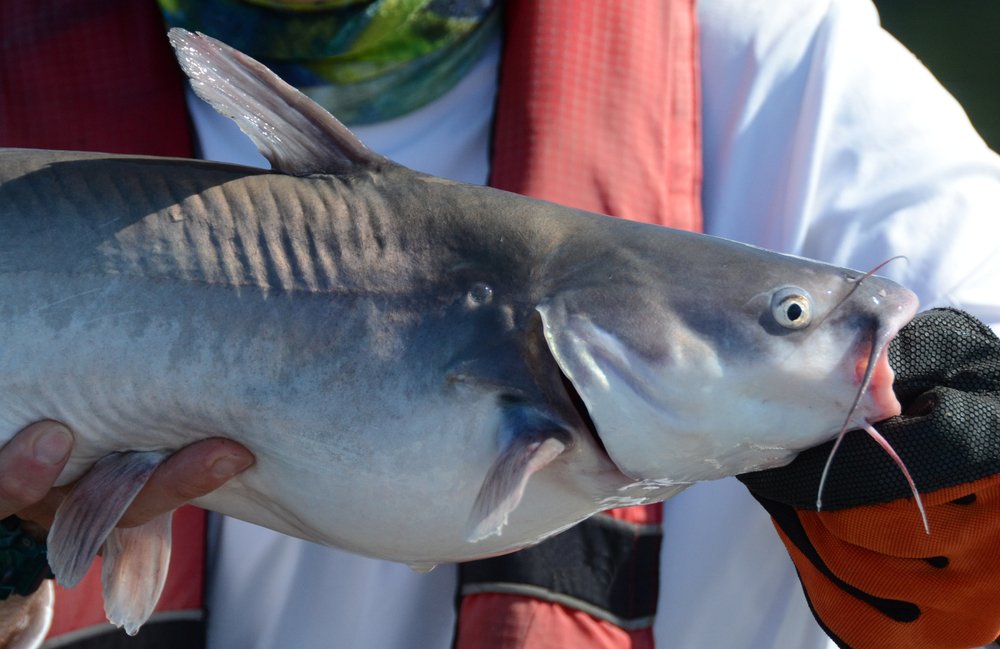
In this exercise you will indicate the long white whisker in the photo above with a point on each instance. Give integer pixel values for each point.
(880, 266)
(878, 344)
(875, 435)
(826, 468)
(876, 350)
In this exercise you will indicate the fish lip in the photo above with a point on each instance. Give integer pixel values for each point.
(882, 400)
(880, 397)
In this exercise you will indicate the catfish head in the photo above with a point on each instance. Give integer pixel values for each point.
(698, 357)
(678, 357)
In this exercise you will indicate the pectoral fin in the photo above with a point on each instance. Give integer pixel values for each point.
(530, 442)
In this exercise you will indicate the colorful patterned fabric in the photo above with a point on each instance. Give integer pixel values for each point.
(363, 60)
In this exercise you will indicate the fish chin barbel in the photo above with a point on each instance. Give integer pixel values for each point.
(877, 365)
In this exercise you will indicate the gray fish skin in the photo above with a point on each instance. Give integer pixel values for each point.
(326, 336)
(335, 336)
(338, 327)
(426, 371)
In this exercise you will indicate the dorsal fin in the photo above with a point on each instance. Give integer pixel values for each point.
(296, 135)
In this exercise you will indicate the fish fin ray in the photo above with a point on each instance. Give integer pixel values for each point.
(134, 572)
(527, 451)
(296, 135)
(93, 508)
(422, 567)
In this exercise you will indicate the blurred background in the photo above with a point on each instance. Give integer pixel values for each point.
(959, 40)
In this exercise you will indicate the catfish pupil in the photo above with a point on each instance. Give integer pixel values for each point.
(480, 294)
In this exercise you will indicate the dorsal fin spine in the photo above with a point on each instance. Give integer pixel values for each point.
(295, 134)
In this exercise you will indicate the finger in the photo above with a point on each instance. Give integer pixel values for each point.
(30, 463)
(189, 473)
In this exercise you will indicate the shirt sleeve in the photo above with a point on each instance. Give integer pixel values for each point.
(825, 137)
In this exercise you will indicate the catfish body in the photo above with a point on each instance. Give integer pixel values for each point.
(426, 371)
(334, 339)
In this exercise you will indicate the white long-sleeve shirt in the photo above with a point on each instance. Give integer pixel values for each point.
(822, 137)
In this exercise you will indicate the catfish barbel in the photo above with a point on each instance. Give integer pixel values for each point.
(426, 371)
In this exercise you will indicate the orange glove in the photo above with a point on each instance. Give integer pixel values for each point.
(872, 576)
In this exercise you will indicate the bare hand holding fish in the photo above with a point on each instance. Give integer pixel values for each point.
(38, 453)
(30, 464)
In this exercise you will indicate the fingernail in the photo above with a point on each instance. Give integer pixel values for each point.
(229, 465)
(53, 446)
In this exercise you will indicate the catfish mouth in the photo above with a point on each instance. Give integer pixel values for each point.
(876, 378)
(881, 396)
(874, 375)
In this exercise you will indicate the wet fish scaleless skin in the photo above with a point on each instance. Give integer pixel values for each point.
(505, 366)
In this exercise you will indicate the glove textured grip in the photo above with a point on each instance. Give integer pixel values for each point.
(870, 588)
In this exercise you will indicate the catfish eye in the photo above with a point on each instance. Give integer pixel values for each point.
(479, 295)
(791, 307)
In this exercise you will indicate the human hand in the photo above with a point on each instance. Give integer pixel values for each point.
(32, 460)
(29, 465)
(873, 577)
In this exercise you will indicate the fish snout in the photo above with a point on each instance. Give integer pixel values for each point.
(873, 373)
